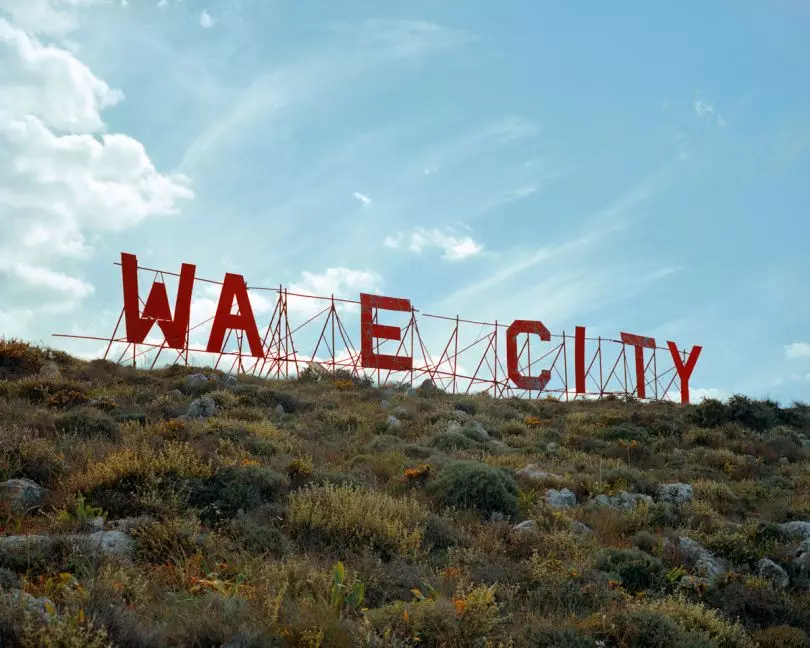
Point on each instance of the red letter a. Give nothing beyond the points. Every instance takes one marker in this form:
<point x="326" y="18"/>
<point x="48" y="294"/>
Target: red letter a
<point x="234" y="286"/>
<point x="157" y="305"/>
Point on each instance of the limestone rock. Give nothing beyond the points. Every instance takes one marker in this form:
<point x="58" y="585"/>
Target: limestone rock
<point x="202" y="408"/>
<point x="796" y="529"/>
<point x="525" y="527"/>
<point x="22" y="493"/>
<point x="677" y="493"/>
<point x="561" y="498"/>
<point x="622" y="500"/>
<point x="769" y="570"/>
<point x="195" y="381"/>
<point x="535" y="472"/>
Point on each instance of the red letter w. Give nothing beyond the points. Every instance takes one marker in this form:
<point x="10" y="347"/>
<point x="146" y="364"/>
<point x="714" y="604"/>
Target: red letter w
<point x="156" y="308"/>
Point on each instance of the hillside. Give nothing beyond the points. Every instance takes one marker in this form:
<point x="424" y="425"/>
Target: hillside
<point x="182" y="507"/>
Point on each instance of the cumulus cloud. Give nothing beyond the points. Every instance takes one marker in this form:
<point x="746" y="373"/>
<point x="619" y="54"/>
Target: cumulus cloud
<point x="64" y="180"/>
<point x="797" y="350"/>
<point x="206" y="21"/>
<point x="343" y="283"/>
<point x="455" y="248"/>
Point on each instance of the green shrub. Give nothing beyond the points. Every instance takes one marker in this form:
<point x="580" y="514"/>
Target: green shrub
<point x="624" y="432"/>
<point x="451" y="441"/>
<point x="88" y="423"/>
<point x="783" y="636"/>
<point x="346" y="517"/>
<point x="236" y="488"/>
<point x="636" y="570"/>
<point x="475" y="486"/>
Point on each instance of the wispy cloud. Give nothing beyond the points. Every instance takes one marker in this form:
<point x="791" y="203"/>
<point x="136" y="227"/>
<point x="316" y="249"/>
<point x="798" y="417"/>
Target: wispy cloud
<point x="363" y="198"/>
<point x="797" y="350"/>
<point x="206" y="21"/>
<point x="706" y="111"/>
<point x="455" y="248"/>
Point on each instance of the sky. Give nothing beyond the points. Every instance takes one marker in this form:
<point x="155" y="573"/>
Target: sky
<point x="630" y="166"/>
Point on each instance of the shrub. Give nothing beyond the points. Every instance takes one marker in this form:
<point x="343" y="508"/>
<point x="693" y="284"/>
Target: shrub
<point x="636" y="629"/>
<point x="451" y="441"/>
<point x="88" y="423"/>
<point x="255" y="532"/>
<point x="235" y="488"/>
<point x="344" y="517"/>
<point x="18" y="359"/>
<point x="783" y="636"/>
<point x="478" y="487"/>
<point x="22" y="455"/>
<point x="637" y="570"/>
<point x="696" y="618"/>
<point x="624" y="432"/>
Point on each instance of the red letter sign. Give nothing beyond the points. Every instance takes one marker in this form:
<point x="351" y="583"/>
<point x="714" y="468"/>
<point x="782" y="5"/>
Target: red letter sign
<point x="684" y="371"/>
<point x="640" y="343"/>
<point x="234" y="286"/>
<point x="369" y="330"/>
<point x="579" y="358"/>
<point x="156" y="308"/>
<point x="537" y="383"/>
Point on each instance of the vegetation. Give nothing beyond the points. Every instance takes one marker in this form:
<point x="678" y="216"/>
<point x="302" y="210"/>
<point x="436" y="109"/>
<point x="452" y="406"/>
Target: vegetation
<point x="294" y="513"/>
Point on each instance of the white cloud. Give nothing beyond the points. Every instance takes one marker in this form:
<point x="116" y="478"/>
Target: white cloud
<point x="456" y="248"/>
<point x="698" y="394"/>
<point x="363" y="198"/>
<point x="797" y="350"/>
<point x="705" y="110"/>
<point x="343" y="283"/>
<point x="206" y="21"/>
<point x="64" y="181"/>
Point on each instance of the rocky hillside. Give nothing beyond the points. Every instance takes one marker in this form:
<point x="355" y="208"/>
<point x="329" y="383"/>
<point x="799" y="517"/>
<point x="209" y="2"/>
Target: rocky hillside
<point x="183" y="507"/>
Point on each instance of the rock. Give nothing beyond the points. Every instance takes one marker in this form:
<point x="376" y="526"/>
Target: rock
<point x="784" y="461"/>
<point x="497" y="516"/>
<point x="801" y="558"/>
<point x="394" y="423"/>
<point x="318" y="368"/>
<point x="561" y="498"/>
<point x="580" y="528"/>
<point x="411" y="392"/>
<point x="279" y="410"/>
<point x="127" y="524"/>
<point x="50" y="371"/>
<point x="677" y="493"/>
<point x="23" y="494"/>
<point x="112" y="543"/>
<point x="175" y="394"/>
<point x="230" y="382"/>
<point x="479" y="430"/>
<point x="553" y="447"/>
<point x="533" y="471"/>
<point x="796" y="529"/>
<point x="42" y="607"/>
<point x="622" y="500"/>
<point x="769" y="570"/>
<point x="705" y="564"/>
<point x="196" y="381"/>
<point x="97" y="524"/>
<point x="384" y="404"/>
<point x="202" y="408"/>
<point x="23" y="543"/>
<point x="528" y="526"/>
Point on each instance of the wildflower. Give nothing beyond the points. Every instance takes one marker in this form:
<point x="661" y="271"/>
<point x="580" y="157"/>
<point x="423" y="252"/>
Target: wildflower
<point x="459" y="604"/>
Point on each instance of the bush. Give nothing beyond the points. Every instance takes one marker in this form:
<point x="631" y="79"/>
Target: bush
<point x="475" y="486"/>
<point x="236" y="488"/>
<point x="451" y="441"/>
<point x="347" y="517"/>
<point x="18" y="359"/>
<point x="624" y="432"/>
<point x="88" y="423"/>
<point x="782" y="637"/>
<point x="637" y="570"/>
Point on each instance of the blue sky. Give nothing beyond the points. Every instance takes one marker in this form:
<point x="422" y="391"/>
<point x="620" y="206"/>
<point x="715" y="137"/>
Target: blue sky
<point x="622" y="166"/>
